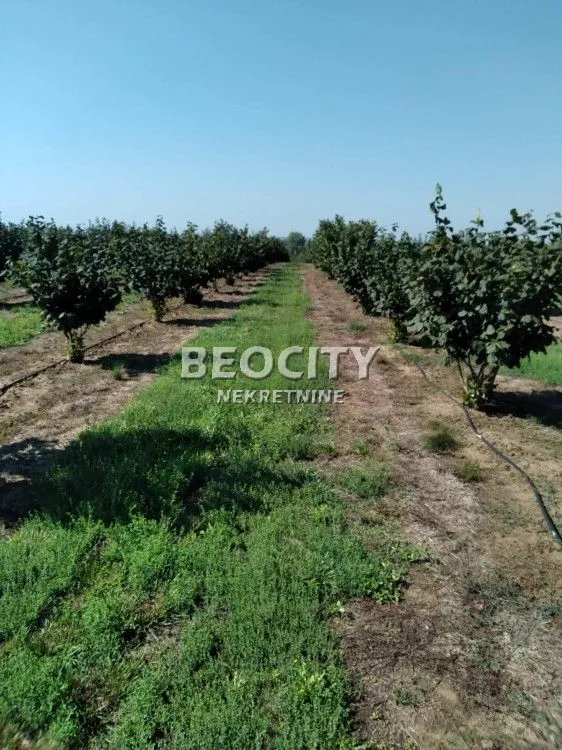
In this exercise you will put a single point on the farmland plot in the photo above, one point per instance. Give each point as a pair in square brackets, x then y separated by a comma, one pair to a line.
[41, 415]
[176, 586]
[471, 655]
[200, 574]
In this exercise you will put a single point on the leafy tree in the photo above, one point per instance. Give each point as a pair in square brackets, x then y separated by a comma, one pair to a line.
[344, 250]
[264, 249]
[65, 272]
[12, 237]
[191, 271]
[222, 249]
[295, 242]
[149, 257]
[485, 297]
[394, 258]
[77, 275]
[370, 263]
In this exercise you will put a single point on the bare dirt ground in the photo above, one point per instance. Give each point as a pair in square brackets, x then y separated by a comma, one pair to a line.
[43, 414]
[556, 322]
[11, 296]
[471, 657]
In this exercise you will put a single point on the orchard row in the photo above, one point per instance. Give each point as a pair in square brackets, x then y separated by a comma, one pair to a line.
[484, 297]
[77, 275]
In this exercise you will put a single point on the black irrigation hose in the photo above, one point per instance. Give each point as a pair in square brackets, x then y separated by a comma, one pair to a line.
[553, 530]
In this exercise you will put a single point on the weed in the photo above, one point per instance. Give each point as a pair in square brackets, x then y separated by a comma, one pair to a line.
[415, 358]
[441, 440]
[367, 483]
[362, 447]
[356, 326]
[398, 333]
[128, 299]
[118, 371]
[552, 609]
[469, 471]
[406, 697]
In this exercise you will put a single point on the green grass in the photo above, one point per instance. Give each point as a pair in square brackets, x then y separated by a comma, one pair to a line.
[362, 447]
[356, 326]
[130, 298]
[368, 482]
[470, 471]
[175, 588]
[118, 370]
[441, 439]
[546, 367]
[22, 323]
[19, 325]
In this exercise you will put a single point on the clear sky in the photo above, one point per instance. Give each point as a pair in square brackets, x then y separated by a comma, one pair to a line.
[279, 112]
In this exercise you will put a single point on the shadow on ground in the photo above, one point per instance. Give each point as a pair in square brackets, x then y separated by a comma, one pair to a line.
[199, 322]
[16, 304]
[222, 304]
[22, 463]
[113, 473]
[133, 363]
[544, 406]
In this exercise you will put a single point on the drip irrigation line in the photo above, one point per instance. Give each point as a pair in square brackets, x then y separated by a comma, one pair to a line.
[64, 360]
[551, 526]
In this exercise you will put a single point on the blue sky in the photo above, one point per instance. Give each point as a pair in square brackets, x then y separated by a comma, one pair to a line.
[279, 113]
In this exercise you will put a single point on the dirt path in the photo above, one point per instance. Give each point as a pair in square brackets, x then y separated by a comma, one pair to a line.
[43, 414]
[11, 296]
[471, 656]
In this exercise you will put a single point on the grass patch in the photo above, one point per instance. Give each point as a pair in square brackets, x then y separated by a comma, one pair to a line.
[469, 471]
[441, 439]
[362, 447]
[128, 299]
[546, 367]
[19, 325]
[118, 370]
[356, 326]
[421, 360]
[23, 322]
[406, 696]
[365, 482]
[175, 587]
